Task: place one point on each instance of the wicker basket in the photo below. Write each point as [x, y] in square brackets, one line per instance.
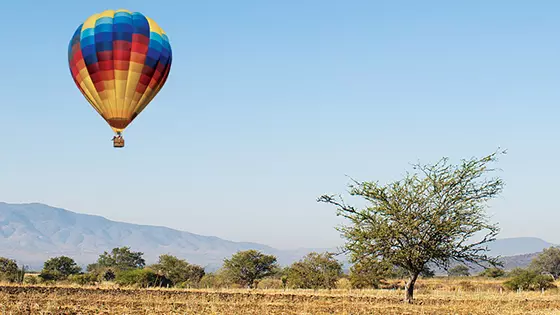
[118, 142]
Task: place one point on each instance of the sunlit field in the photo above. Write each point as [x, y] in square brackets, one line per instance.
[433, 296]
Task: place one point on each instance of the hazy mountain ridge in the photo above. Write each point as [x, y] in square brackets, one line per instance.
[31, 233]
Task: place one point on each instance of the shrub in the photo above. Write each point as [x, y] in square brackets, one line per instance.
[215, 281]
[8, 270]
[83, 279]
[270, 283]
[492, 273]
[51, 276]
[343, 284]
[30, 280]
[459, 271]
[59, 268]
[528, 280]
[140, 278]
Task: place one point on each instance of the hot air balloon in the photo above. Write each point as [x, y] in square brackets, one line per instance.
[119, 60]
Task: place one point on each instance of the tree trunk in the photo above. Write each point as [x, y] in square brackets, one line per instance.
[409, 288]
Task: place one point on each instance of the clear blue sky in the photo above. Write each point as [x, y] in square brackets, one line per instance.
[270, 104]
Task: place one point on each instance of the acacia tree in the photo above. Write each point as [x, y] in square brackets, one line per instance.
[314, 271]
[120, 258]
[428, 217]
[8, 270]
[59, 268]
[548, 262]
[178, 270]
[244, 267]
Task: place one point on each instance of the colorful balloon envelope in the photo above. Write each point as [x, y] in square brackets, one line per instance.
[119, 60]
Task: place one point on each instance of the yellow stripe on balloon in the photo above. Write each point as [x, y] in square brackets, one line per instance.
[106, 13]
[154, 27]
[90, 88]
[90, 22]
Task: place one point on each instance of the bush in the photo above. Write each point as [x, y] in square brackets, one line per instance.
[492, 273]
[51, 276]
[140, 278]
[270, 283]
[459, 271]
[178, 271]
[214, 281]
[343, 284]
[528, 280]
[30, 280]
[9, 271]
[83, 279]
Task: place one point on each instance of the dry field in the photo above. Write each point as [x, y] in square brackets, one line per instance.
[434, 296]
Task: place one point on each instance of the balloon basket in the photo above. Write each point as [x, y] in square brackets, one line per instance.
[118, 142]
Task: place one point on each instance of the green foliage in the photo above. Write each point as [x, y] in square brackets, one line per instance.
[524, 279]
[368, 273]
[315, 271]
[120, 258]
[30, 280]
[9, 270]
[51, 275]
[547, 262]
[428, 217]
[427, 273]
[83, 279]
[270, 283]
[459, 271]
[401, 273]
[59, 268]
[178, 271]
[343, 284]
[213, 280]
[245, 267]
[493, 272]
[140, 278]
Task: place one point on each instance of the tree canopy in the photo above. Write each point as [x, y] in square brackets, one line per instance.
[547, 262]
[9, 271]
[58, 268]
[429, 216]
[120, 258]
[178, 271]
[244, 267]
[315, 271]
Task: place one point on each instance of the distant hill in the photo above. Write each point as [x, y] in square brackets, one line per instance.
[518, 246]
[32, 233]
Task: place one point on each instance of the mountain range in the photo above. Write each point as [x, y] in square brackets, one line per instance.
[33, 232]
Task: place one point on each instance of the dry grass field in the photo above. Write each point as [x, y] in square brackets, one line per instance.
[434, 296]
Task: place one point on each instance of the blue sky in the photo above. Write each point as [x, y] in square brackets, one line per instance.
[270, 104]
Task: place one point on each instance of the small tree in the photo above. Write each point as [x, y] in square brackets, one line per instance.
[427, 217]
[547, 262]
[9, 270]
[524, 279]
[245, 267]
[120, 258]
[315, 271]
[59, 268]
[178, 270]
[368, 273]
[459, 271]
[143, 278]
[492, 272]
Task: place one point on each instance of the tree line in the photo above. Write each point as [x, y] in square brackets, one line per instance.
[128, 268]
[253, 269]
[433, 216]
